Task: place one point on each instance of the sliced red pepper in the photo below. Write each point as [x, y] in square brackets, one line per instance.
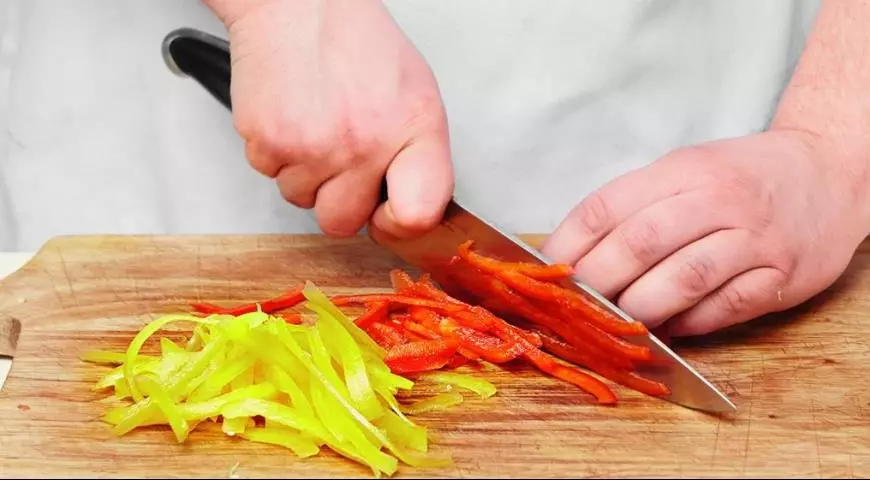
[292, 318]
[491, 349]
[401, 281]
[288, 300]
[421, 330]
[419, 356]
[467, 353]
[375, 312]
[385, 335]
[548, 364]
[457, 361]
[549, 292]
[592, 338]
[425, 317]
[622, 377]
[342, 300]
[538, 272]
[586, 382]
[575, 332]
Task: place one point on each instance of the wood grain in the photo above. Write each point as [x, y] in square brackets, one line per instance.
[799, 378]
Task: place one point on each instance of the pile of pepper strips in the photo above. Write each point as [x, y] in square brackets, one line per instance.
[423, 328]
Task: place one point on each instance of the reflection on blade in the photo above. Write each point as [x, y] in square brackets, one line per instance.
[432, 252]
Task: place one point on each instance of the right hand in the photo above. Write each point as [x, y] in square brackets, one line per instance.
[330, 97]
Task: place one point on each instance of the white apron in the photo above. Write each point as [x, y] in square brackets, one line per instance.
[547, 100]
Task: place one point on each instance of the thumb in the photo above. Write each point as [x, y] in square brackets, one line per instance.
[419, 186]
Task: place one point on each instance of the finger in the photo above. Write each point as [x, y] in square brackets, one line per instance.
[345, 203]
[299, 183]
[749, 295]
[646, 238]
[263, 159]
[600, 212]
[683, 279]
[419, 185]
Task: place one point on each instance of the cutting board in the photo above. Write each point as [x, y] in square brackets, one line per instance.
[799, 379]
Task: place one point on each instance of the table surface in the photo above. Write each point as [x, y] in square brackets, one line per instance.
[10, 262]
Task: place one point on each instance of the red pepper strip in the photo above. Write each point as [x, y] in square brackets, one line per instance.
[457, 361]
[585, 335]
[421, 330]
[622, 377]
[586, 382]
[293, 318]
[548, 365]
[578, 333]
[288, 300]
[467, 353]
[538, 272]
[426, 288]
[401, 281]
[549, 292]
[375, 311]
[419, 356]
[385, 335]
[486, 346]
[397, 321]
[342, 300]
[425, 317]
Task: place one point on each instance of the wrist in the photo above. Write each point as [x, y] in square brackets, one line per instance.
[839, 164]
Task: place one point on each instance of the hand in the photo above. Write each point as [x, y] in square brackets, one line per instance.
[330, 97]
[717, 234]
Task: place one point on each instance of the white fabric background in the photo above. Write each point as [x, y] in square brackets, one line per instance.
[547, 100]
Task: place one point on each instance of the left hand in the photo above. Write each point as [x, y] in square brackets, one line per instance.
[718, 234]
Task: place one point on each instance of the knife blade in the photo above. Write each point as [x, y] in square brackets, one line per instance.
[10, 330]
[432, 252]
[204, 57]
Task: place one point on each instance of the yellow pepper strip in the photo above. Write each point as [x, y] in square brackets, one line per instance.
[438, 402]
[346, 433]
[349, 355]
[284, 383]
[323, 361]
[167, 346]
[480, 386]
[301, 446]
[140, 339]
[117, 373]
[213, 407]
[402, 433]
[280, 414]
[200, 410]
[315, 296]
[235, 426]
[199, 338]
[214, 384]
[170, 410]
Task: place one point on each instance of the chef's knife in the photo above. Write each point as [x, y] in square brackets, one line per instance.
[10, 330]
[204, 57]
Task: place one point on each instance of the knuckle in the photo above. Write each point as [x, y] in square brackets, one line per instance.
[643, 242]
[303, 200]
[732, 300]
[593, 215]
[695, 276]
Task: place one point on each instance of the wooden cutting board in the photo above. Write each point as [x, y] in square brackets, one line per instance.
[800, 379]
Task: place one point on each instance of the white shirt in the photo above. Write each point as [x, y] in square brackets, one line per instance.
[547, 100]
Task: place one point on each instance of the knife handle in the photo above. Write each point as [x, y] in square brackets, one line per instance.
[189, 52]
